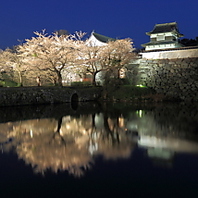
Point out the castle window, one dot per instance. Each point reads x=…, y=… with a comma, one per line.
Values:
x=160, y=37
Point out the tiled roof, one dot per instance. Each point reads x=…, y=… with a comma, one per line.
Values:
x=102, y=38
x=165, y=27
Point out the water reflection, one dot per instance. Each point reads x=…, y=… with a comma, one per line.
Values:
x=70, y=140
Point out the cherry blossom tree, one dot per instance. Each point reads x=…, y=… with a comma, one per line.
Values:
x=5, y=68
x=110, y=57
x=116, y=55
x=13, y=61
x=89, y=58
x=52, y=53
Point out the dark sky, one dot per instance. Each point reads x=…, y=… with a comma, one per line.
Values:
x=113, y=18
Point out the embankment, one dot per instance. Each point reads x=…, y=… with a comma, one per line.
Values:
x=16, y=96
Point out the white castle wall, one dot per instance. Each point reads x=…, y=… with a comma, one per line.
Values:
x=172, y=54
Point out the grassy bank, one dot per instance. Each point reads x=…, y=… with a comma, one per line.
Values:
x=128, y=93
x=113, y=91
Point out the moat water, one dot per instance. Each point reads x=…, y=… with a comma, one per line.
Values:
x=92, y=150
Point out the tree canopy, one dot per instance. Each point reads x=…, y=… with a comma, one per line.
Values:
x=189, y=42
x=50, y=56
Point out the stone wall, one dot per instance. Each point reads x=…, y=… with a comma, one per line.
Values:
x=176, y=78
x=15, y=96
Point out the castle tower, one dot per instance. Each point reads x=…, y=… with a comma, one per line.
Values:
x=163, y=36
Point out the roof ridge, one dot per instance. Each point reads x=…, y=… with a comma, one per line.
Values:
x=162, y=24
x=102, y=38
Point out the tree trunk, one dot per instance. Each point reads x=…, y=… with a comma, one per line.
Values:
x=57, y=138
x=94, y=79
x=54, y=81
x=118, y=73
x=20, y=79
x=114, y=138
x=59, y=78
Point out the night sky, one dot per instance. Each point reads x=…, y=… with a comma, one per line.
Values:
x=113, y=18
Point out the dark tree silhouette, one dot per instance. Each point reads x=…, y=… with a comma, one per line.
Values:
x=189, y=42
x=62, y=32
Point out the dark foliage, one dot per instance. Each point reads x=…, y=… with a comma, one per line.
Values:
x=189, y=42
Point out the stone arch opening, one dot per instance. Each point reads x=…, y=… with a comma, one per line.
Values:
x=74, y=97
x=74, y=101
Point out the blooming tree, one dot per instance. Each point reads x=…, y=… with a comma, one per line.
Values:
x=4, y=58
x=89, y=59
x=116, y=55
x=13, y=61
x=52, y=53
x=110, y=57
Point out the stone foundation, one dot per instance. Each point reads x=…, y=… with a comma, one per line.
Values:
x=176, y=78
x=14, y=96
